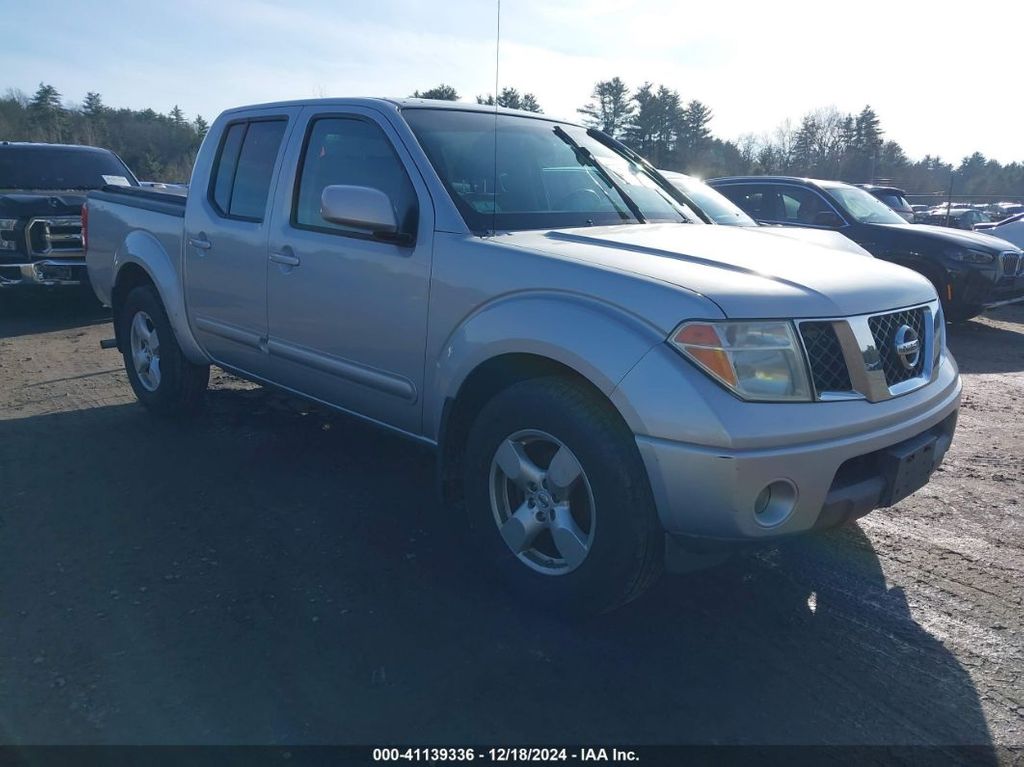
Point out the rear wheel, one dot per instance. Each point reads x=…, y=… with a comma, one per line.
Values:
x=558, y=498
x=160, y=375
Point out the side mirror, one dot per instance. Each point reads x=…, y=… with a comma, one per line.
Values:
x=359, y=207
x=827, y=218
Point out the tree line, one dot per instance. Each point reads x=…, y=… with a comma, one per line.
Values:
x=675, y=134
x=655, y=120
x=155, y=146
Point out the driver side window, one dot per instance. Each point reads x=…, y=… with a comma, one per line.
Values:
x=802, y=206
x=351, y=151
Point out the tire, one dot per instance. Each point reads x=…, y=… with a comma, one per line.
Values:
x=600, y=543
x=169, y=384
x=959, y=313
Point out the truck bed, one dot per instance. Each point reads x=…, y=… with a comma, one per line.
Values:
x=116, y=213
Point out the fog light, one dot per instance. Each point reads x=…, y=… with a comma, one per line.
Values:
x=775, y=502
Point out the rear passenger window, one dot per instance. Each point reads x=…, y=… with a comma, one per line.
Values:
x=352, y=152
x=227, y=161
x=245, y=168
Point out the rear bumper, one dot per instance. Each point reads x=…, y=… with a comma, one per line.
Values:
x=709, y=495
x=43, y=273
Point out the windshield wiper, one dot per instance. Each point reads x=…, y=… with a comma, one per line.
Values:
x=584, y=157
x=617, y=146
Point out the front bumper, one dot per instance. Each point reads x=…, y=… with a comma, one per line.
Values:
x=44, y=273
x=822, y=461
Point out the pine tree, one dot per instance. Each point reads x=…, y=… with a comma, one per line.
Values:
x=47, y=114
x=611, y=108
x=440, y=92
x=200, y=126
x=93, y=105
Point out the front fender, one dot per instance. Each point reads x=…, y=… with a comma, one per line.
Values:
x=144, y=250
x=599, y=341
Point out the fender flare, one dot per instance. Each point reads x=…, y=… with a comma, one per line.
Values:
x=598, y=340
x=142, y=249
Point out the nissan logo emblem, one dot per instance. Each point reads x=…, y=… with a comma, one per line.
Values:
x=908, y=346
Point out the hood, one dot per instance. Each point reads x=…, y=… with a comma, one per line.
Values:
x=746, y=273
x=951, y=237
x=825, y=237
x=42, y=203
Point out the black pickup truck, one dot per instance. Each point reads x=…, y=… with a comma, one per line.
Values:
x=971, y=271
x=42, y=188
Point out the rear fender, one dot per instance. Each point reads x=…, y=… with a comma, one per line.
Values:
x=145, y=251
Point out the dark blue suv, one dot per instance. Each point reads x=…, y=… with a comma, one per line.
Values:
x=970, y=271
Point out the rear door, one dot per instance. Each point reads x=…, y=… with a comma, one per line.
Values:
x=226, y=241
x=348, y=311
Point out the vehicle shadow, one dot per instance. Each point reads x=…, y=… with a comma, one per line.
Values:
x=271, y=573
x=989, y=347
x=24, y=312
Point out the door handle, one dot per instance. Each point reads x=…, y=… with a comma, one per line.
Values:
x=200, y=244
x=285, y=259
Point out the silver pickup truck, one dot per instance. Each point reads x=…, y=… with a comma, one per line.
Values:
x=611, y=382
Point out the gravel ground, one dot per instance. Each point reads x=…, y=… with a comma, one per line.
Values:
x=274, y=573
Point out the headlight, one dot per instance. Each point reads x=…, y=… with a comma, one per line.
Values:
x=756, y=360
x=8, y=224
x=973, y=256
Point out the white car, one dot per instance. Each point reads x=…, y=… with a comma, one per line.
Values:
x=1011, y=229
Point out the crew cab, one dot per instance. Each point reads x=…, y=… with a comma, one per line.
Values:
x=970, y=271
x=42, y=188
x=610, y=383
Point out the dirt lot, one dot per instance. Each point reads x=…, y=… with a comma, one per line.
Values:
x=275, y=573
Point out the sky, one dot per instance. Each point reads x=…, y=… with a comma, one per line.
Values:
x=944, y=78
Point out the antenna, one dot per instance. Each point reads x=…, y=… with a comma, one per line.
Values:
x=497, y=61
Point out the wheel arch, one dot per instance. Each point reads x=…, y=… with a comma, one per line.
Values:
x=481, y=385
x=142, y=260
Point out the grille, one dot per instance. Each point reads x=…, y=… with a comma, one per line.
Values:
x=828, y=366
x=883, y=329
x=1011, y=263
x=59, y=234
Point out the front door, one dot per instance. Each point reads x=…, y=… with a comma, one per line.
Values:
x=347, y=310
x=226, y=242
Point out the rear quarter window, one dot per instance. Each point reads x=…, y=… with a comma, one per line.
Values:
x=244, y=168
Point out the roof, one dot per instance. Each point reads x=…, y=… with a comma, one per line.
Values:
x=824, y=183
x=397, y=104
x=883, y=188
x=36, y=145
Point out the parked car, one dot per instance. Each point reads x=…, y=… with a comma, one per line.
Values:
x=971, y=271
x=1004, y=210
x=608, y=382
x=1010, y=229
x=42, y=188
x=957, y=218
x=892, y=196
x=719, y=209
x=920, y=211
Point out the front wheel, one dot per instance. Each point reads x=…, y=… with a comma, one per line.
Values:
x=161, y=377
x=558, y=498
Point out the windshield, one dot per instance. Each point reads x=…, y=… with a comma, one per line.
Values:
x=549, y=175
x=60, y=168
x=894, y=201
x=714, y=204
x=864, y=207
